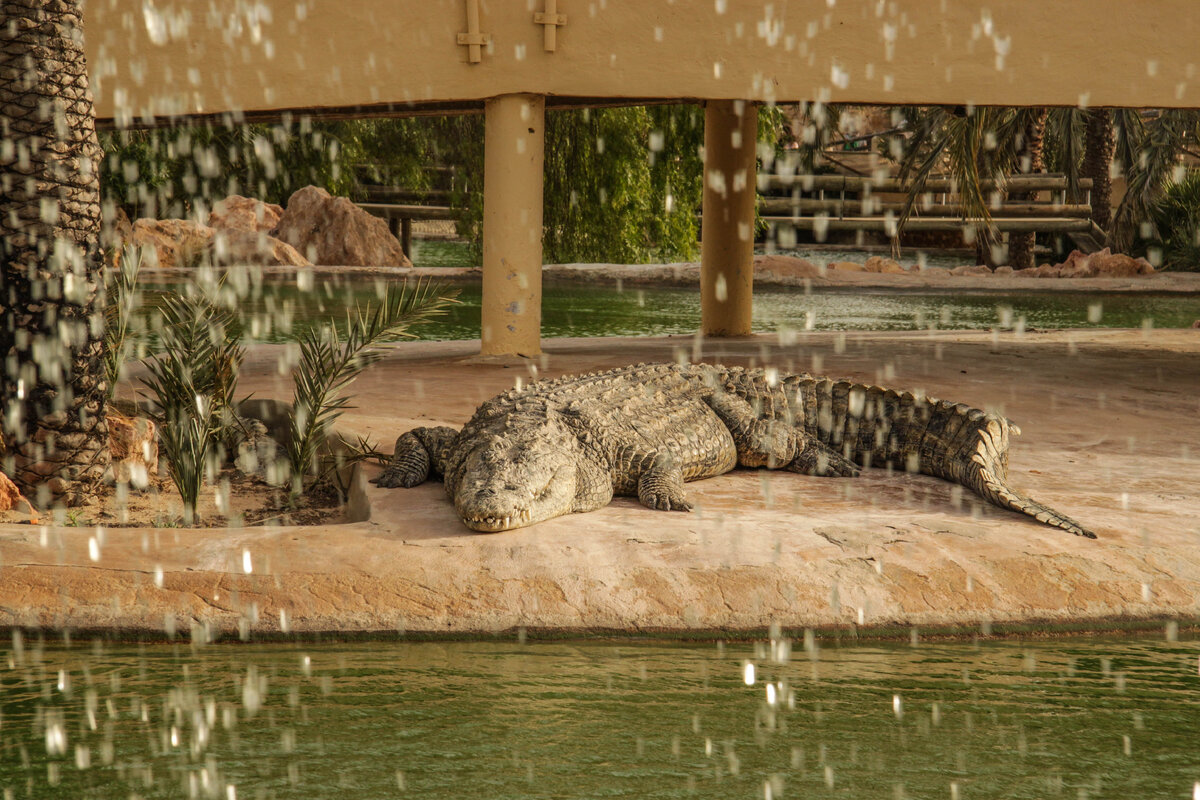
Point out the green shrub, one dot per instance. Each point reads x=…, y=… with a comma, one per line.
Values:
x=1176, y=220
x=193, y=379
x=329, y=362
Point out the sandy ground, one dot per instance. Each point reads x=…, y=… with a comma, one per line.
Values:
x=1111, y=437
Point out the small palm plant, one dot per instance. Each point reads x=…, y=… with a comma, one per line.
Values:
x=330, y=361
x=123, y=299
x=193, y=378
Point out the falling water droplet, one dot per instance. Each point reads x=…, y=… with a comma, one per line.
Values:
x=748, y=673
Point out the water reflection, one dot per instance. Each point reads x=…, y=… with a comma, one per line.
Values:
x=275, y=311
x=1008, y=719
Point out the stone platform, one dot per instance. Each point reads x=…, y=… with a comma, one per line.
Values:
x=1111, y=423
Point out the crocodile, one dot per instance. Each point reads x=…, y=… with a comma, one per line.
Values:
x=565, y=445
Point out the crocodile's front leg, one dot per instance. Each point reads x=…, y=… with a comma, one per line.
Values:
x=661, y=486
x=651, y=474
x=418, y=453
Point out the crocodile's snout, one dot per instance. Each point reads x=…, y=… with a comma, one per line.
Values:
x=500, y=491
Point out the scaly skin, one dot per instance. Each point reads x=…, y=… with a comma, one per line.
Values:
x=568, y=445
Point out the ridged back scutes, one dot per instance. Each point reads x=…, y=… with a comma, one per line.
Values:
x=868, y=424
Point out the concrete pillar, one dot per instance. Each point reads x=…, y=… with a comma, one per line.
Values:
x=727, y=232
x=514, y=140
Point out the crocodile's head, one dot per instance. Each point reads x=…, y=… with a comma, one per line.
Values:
x=510, y=482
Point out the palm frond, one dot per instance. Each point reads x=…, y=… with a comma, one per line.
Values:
x=193, y=377
x=1065, y=134
x=974, y=148
x=123, y=298
x=1153, y=169
x=329, y=363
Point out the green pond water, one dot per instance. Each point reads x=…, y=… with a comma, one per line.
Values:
x=274, y=311
x=1071, y=718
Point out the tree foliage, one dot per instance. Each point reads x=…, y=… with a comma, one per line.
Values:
x=181, y=172
x=979, y=144
x=622, y=184
x=1175, y=220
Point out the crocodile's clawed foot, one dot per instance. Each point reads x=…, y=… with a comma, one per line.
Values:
x=821, y=461
x=392, y=478
x=666, y=502
x=410, y=464
x=661, y=488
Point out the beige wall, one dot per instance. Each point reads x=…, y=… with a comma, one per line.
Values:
x=190, y=57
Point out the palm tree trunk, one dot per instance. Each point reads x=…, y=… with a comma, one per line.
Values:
x=1032, y=159
x=52, y=386
x=1099, y=148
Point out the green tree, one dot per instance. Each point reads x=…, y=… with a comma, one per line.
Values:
x=180, y=172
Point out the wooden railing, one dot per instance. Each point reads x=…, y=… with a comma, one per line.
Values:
x=849, y=202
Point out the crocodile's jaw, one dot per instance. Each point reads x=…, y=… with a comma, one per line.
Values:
x=515, y=496
x=497, y=524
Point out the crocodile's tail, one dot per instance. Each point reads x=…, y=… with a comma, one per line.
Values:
x=881, y=427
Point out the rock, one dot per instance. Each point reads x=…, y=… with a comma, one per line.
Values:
x=171, y=243
x=133, y=442
x=115, y=232
x=1196, y=325
x=254, y=247
x=1003, y=271
x=115, y=227
x=880, y=264
x=786, y=267
x=333, y=231
x=846, y=266
x=973, y=269
x=11, y=498
x=1104, y=264
x=237, y=213
x=1042, y=271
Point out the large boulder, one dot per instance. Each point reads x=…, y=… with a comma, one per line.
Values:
x=880, y=264
x=333, y=231
x=237, y=247
x=171, y=243
x=237, y=213
x=11, y=498
x=115, y=227
x=972, y=269
x=785, y=267
x=1104, y=264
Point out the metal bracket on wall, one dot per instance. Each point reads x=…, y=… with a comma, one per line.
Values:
x=473, y=40
x=551, y=19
